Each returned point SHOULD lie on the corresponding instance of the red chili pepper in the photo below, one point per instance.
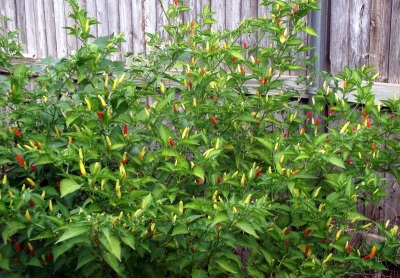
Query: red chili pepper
(287, 232)
(20, 160)
(234, 59)
(17, 260)
(219, 179)
(317, 121)
(125, 129)
(33, 167)
(245, 45)
(215, 127)
(295, 172)
(16, 131)
(279, 20)
(258, 172)
(175, 107)
(190, 84)
(49, 257)
(307, 232)
(322, 240)
(213, 120)
(373, 146)
(125, 161)
(58, 184)
(287, 242)
(242, 70)
(368, 123)
(349, 160)
(363, 113)
(330, 112)
(171, 142)
(192, 249)
(392, 116)
(307, 249)
(100, 115)
(367, 159)
(31, 203)
(176, 2)
(38, 145)
(32, 253)
(265, 81)
(349, 248)
(309, 115)
(202, 71)
(258, 61)
(18, 247)
(285, 135)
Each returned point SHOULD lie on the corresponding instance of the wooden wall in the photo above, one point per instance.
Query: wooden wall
(361, 31)
(366, 32)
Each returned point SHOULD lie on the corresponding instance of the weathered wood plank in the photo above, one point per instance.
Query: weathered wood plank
(125, 17)
(40, 29)
(359, 32)
(31, 29)
(394, 55)
(339, 35)
(20, 20)
(249, 9)
(150, 23)
(218, 6)
(139, 23)
(60, 34)
(50, 38)
(8, 9)
(113, 17)
(379, 38)
(102, 16)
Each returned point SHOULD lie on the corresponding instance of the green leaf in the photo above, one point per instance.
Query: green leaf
(129, 240)
(237, 54)
(45, 234)
(179, 229)
(84, 259)
(309, 30)
(335, 161)
(220, 217)
(226, 264)
(72, 232)
(68, 186)
(165, 133)
(199, 273)
(13, 226)
(34, 261)
(246, 227)
(58, 250)
(4, 263)
(198, 172)
(111, 243)
(112, 262)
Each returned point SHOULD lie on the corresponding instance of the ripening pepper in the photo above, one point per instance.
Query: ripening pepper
(27, 216)
(82, 168)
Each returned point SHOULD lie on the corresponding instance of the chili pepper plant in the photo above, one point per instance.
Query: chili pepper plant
(195, 159)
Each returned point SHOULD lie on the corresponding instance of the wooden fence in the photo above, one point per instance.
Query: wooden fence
(360, 31)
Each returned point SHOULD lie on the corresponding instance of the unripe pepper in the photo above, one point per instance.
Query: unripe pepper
(27, 216)
(180, 207)
(82, 168)
(118, 190)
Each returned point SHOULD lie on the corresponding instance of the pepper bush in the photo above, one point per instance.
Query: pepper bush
(171, 165)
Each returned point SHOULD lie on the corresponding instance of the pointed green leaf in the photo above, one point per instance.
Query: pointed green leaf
(165, 133)
(68, 186)
(198, 172)
(336, 161)
(72, 232)
(179, 229)
(199, 273)
(129, 240)
(220, 217)
(246, 227)
(226, 264)
(112, 262)
(309, 30)
(111, 243)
